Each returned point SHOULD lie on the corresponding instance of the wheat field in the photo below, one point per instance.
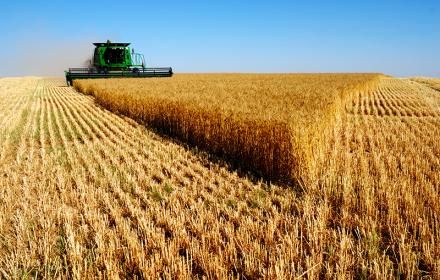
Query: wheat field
(86, 193)
(273, 124)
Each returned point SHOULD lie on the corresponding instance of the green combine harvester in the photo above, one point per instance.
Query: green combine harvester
(116, 60)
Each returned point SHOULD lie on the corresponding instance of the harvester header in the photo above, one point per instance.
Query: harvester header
(116, 60)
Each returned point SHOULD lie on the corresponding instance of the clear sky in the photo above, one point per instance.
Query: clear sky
(400, 38)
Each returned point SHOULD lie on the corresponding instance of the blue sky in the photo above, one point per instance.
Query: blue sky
(400, 38)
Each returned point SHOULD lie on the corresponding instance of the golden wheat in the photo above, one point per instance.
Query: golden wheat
(275, 125)
(88, 194)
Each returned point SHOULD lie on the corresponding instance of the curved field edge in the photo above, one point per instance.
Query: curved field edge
(275, 125)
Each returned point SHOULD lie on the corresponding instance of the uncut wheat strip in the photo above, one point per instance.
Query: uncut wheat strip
(201, 132)
(122, 226)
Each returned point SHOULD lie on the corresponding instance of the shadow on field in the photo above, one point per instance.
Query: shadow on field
(208, 158)
(234, 166)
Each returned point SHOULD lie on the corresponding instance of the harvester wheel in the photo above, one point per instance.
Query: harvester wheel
(135, 70)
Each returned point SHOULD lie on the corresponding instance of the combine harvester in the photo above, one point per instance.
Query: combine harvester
(116, 60)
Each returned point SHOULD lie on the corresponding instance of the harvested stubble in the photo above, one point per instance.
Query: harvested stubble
(275, 125)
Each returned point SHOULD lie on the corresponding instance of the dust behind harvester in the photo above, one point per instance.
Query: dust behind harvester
(116, 60)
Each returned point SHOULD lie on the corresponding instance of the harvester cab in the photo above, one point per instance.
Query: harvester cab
(116, 60)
